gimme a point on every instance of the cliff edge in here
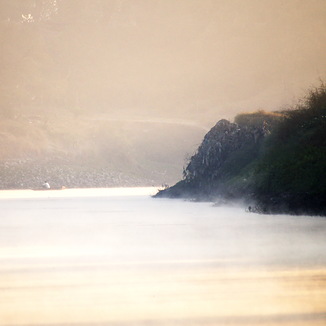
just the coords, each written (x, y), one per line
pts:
(276, 162)
(221, 165)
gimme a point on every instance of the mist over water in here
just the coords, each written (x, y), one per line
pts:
(120, 256)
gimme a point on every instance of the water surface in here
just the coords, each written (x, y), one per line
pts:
(119, 257)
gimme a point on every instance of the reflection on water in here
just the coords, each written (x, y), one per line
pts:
(100, 257)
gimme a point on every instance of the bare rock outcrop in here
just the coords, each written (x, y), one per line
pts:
(225, 150)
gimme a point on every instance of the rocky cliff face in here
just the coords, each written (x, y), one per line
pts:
(225, 152)
(282, 174)
(219, 144)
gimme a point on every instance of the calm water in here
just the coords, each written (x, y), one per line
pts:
(119, 257)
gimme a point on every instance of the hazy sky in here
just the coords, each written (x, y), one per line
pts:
(223, 55)
(202, 59)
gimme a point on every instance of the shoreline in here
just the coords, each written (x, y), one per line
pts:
(76, 192)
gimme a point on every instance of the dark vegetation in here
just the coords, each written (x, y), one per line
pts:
(290, 174)
(224, 162)
(275, 160)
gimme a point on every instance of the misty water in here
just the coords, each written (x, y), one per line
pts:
(120, 257)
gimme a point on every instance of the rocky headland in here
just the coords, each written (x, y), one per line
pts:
(220, 168)
(274, 162)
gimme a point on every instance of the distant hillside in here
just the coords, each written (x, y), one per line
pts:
(274, 160)
(82, 152)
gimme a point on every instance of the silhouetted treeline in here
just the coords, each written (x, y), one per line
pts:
(290, 174)
(275, 160)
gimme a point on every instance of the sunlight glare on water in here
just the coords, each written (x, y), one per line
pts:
(120, 257)
(78, 192)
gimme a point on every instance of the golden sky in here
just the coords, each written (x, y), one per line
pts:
(221, 56)
(198, 59)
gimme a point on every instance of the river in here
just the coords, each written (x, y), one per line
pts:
(119, 257)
